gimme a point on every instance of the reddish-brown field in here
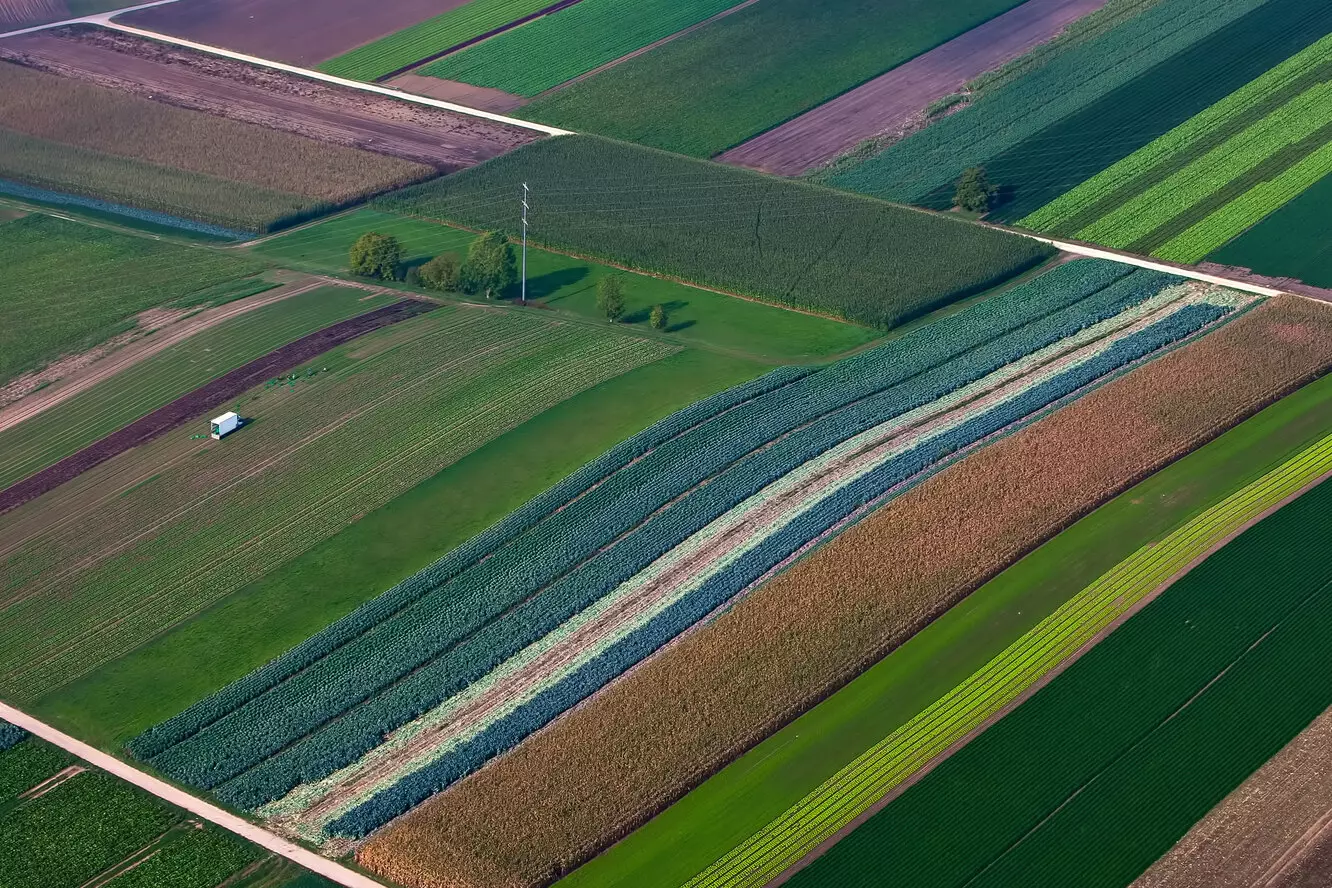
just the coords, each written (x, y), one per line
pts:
(18, 13)
(224, 88)
(890, 103)
(1274, 831)
(542, 809)
(298, 32)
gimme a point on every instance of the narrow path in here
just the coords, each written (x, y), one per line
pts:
(329, 869)
(136, 352)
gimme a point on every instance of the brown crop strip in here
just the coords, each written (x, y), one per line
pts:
(212, 395)
(606, 768)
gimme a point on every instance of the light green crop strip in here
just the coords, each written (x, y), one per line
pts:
(855, 788)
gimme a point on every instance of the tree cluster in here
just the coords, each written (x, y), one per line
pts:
(491, 266)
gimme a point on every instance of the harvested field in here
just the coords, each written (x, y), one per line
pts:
(286, 30)
(272, 99)
(807, 632)
(1270, 832)
(891, 102)
(209, 397)
(22, 13)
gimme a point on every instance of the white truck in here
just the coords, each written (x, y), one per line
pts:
(224, 425)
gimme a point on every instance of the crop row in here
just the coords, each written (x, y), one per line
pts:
(531, 815)
(681, 571)
(77, 830)
(419, 633)
(1234, 218)
(201, 858)
(27, 764)
(856, 787)
(560, 47)
(401, 48)
(10, 735)
(826, 514)
(1300, 118)
(785, 242)
(934, 157)
(1134, 172)
(1061, 793)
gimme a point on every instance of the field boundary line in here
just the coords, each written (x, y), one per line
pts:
(104, 20)
(329, 869)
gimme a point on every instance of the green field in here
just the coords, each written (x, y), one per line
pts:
(785, 242)
(1190, 696)
(139, 389)
(715, 88)
(267, 617)
(777, 774)
(695, 316)
(1292, 242)
(1085, 109)
(68, 286)
(400, 49)
(560, 47)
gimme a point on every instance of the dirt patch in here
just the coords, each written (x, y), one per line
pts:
(483, 97)
(888, 103)
(294, 31)
(223, 87)
(1248, 275)
(209, 397)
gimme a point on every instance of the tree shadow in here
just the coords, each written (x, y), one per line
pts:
(544, 285)
(683, 325)
(644, 314)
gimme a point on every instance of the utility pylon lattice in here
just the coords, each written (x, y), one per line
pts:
(525, 189)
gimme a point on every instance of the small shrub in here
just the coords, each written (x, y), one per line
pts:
(376, 255)
(610, 297)
(443, 273)
(658, 318)
(974, 191)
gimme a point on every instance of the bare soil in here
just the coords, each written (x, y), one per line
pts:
(484, 97)
(298, 32)
(208, 397)
(226, 88)
(1290, 285)
(1274, 831)
(889, 103)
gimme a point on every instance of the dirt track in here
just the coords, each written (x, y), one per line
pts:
(209, 397)
(187, 79)
(889, 103)
(287, 30)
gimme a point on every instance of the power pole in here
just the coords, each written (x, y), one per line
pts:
(524, 297)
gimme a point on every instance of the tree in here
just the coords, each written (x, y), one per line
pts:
(658, 318)
(491, 265)
(376, 255)
(441, 273)
(974, 191)
(610, 297)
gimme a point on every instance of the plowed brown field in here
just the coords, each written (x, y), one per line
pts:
(298, 32)
(590, 778)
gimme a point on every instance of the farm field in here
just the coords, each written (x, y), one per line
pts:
(693, 840)
(209, 518)
(111, 404)
(1211, 178)
(283, 29)
(458, 24)
(1059, 776)
(695, 316)
(779, 241)
(1272, 827)
(1291, 242)
(715, 88)
(278, 611)
(559, 47)
(1093, 104)
(298, 106)
(131, 150)
(69, 286)
(758, 676)
(614, 583)
(28, 13)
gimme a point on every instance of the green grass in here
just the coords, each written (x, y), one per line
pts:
(717, 87)
(785, 242)
(547, 52)
(137, 390)
(758, 787)
(1291, 242)
(261, 620)
(1105, 768)
(695, 316)
(69, 286)
(402, 48)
